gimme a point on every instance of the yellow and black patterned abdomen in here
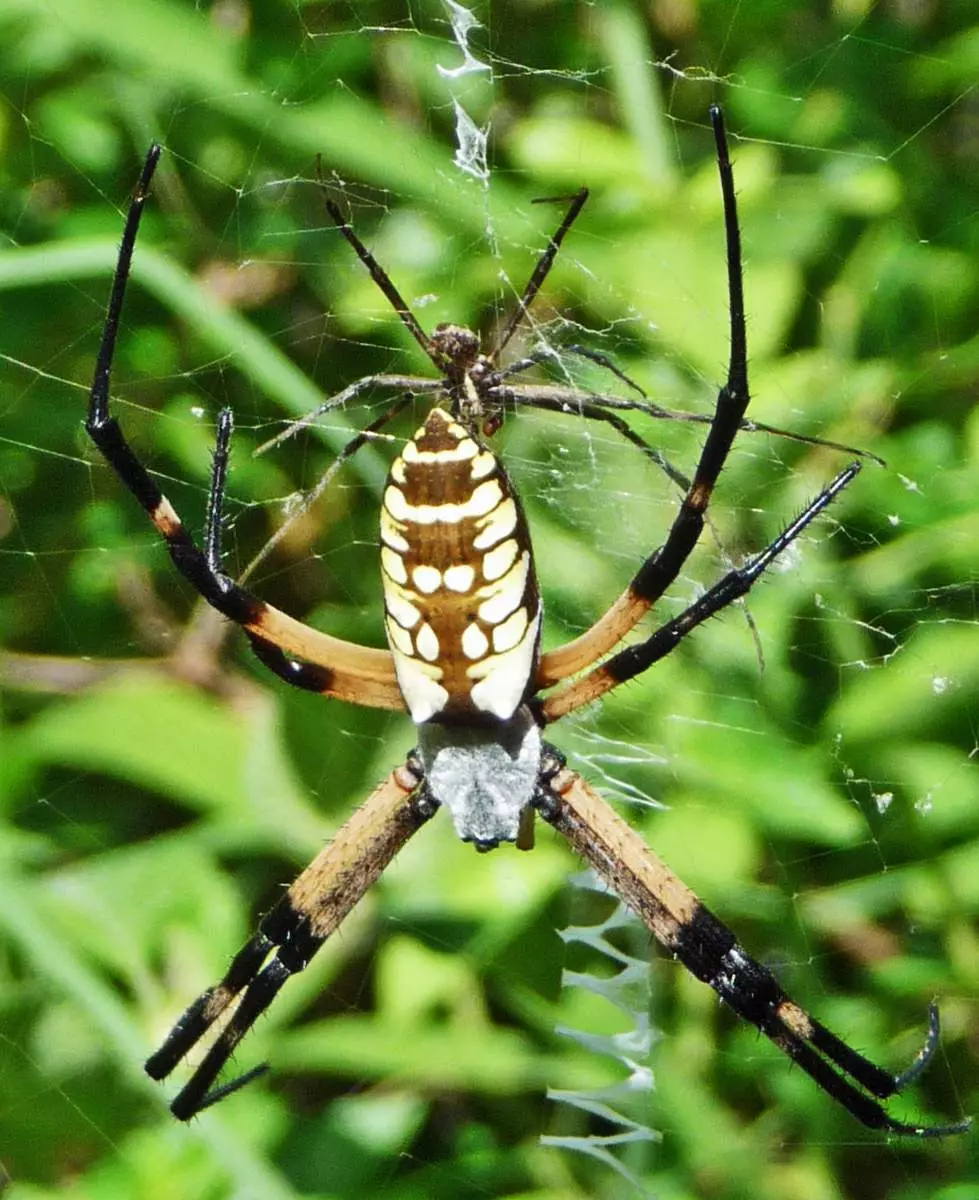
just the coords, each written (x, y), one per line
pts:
(462, 610)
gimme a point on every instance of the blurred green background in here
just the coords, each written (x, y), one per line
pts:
(810, 769)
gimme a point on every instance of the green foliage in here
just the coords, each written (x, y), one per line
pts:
(150, 806)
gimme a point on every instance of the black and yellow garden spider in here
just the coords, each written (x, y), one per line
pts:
(462, 615)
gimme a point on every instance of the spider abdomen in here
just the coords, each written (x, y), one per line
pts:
(462, 609)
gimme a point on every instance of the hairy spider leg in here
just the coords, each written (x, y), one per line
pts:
(400, 305)
(414, 385)
(324, 481)
(663, 566)
(541, 271)
(445, 350)
(290, 934)
(593, 411)
(336, 668)
(688, 930)
(381, 278)
(633, 660)
(536, 395)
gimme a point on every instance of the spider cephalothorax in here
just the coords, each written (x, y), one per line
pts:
(462, 614)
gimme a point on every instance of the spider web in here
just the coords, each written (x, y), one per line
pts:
(809, 771)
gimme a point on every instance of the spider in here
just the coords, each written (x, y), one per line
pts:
(462, 616)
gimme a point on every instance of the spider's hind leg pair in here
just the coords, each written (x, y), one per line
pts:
(462, 616)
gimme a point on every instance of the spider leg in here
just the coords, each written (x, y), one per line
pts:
(603, 360)
(380, 277)
(540, 272)
(528, 395)
(415, 385)
(628, 609)
(657, 412)
(564, 400)
(664, 565)
(310, 497)
(594, 412)
(342, 669)
(288, 936)
(695, 937)
(550, 355)
(531, 395)
(635, 659)
(582, 651)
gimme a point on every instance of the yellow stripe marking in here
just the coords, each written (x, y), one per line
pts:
(507, 635)
(400, 639)
(400, 607)
(467, 448)
(497, 562)
(483, 500)
(418, 682)
(502, 678)
(395, 503)
(393, 565)
(426, 579)
(500, 523)
(459, 579)
(391, 535)
(474, 643)
(483, 464)
(506, 594)
(427, 643)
